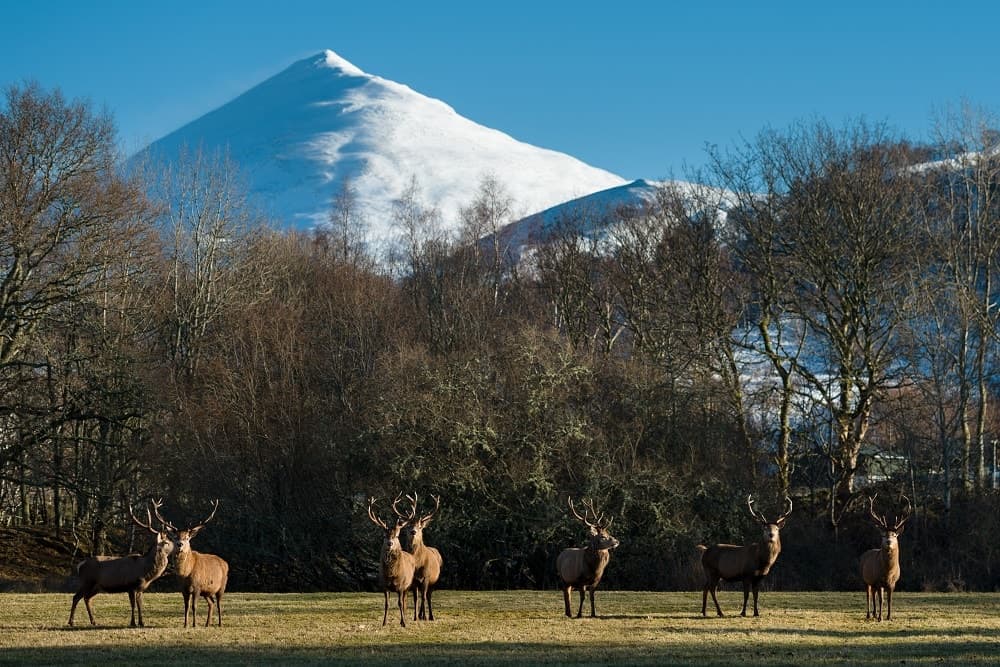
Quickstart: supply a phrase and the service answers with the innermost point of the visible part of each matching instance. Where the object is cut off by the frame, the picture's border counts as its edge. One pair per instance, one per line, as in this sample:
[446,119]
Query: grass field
[508,628]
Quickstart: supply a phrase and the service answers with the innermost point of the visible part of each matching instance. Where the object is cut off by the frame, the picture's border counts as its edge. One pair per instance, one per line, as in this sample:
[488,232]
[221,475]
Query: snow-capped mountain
[298,134]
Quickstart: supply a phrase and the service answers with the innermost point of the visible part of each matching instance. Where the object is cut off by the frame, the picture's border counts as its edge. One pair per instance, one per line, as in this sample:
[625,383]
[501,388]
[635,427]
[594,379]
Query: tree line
[815,318]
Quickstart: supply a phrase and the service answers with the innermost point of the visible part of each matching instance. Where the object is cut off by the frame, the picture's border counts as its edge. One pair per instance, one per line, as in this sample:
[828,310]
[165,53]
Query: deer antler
[781,519]
[754,513]
[374,517]
[157,504]
[906,516]
[871,510]
[149,520]
[598,516]
[215,507]
[403,517]
[437,506]
[569,500]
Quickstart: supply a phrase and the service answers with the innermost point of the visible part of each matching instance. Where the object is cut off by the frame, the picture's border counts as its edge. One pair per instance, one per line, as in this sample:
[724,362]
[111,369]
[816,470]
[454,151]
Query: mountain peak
[300,134]
[334,61]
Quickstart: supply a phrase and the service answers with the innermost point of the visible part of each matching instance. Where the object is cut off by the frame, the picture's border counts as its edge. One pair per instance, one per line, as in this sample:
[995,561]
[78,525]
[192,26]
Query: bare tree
[483,219]
[348,225]
[838,247]
[963,219]
[68,216]
[207,225]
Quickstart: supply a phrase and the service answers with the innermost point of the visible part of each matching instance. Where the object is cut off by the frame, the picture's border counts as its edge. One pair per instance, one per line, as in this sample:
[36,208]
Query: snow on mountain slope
[589,215]
[298,134]
[596,215]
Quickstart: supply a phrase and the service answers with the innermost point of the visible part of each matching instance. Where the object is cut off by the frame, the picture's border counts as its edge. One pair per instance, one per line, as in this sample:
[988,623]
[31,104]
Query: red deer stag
[124,574]
[748,563]
[583,567]
[427,559]
[880,567]
[198,574]
[396,567]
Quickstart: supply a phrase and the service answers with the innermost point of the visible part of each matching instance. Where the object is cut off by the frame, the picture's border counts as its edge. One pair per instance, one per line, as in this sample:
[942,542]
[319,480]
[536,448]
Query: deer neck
[156,563]
[391,557]
[597,559]
[767,553]
[890,556]
[185,563]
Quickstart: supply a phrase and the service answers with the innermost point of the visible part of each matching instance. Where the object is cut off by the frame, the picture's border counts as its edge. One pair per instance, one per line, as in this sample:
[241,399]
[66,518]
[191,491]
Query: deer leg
[385,612]
[593,612]
[878,594]
[208,616]
[715,599]
[746,595]
[415,602]
[72,609]
[402,607]
[138,605]
[888,603]
[131,601]
[756,589]
[218,606]
[194,607]
[583,596]
[430,609]
[868,602]
[566,591]
[187,605]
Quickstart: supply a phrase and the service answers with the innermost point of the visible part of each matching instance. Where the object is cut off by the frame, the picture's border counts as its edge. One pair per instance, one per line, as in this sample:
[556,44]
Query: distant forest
[818,319]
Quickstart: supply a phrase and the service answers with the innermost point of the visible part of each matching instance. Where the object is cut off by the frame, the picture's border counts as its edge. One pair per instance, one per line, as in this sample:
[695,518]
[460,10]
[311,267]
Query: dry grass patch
[512,628]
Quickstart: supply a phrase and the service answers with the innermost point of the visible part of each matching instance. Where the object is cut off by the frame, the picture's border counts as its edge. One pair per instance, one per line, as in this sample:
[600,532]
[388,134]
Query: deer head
[413,527]
[600,537]
[182,538]
[771,529]
[164,543]
[890,534]
[392,542]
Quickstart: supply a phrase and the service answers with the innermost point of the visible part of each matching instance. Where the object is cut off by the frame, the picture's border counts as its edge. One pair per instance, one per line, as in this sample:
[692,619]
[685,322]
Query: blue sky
[637,88]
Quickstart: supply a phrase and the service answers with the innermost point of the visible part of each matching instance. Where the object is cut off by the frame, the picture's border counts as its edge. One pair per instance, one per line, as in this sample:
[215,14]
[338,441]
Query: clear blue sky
[637,88]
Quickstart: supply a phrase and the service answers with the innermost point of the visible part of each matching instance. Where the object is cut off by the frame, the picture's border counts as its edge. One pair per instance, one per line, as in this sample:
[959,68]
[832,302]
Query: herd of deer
[198,574]
[407,564]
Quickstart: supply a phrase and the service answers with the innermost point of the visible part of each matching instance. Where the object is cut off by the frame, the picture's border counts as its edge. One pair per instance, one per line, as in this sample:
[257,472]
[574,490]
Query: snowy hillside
[588,213]
[595,215]
[297,134]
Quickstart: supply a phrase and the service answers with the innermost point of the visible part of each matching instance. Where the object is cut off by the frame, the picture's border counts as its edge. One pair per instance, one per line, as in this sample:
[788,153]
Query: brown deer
[130,574]
[427,559]
[396,567]
[583,567]
[747,563]
[880,567]
[198,574]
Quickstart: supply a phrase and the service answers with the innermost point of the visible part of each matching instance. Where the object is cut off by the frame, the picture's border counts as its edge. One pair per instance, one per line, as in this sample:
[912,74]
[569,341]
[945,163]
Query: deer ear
[194,531]
[780,523]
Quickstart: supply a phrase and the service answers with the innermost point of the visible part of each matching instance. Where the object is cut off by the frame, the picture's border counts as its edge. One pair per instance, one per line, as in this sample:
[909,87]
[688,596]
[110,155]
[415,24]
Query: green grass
[508,628]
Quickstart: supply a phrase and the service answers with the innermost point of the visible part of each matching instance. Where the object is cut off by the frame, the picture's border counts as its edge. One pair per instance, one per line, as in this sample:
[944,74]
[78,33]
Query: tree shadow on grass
[691,651]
